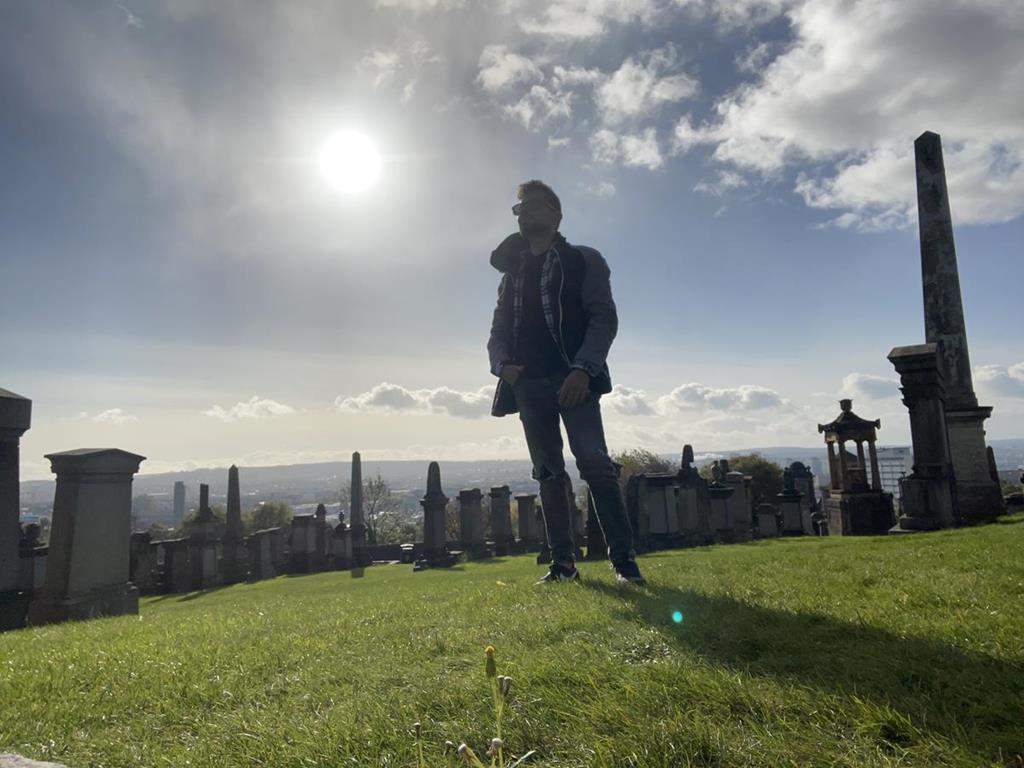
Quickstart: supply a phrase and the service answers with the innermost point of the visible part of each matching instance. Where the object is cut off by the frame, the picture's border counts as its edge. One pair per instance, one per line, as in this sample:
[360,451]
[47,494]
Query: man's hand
[575,388]
[510,372]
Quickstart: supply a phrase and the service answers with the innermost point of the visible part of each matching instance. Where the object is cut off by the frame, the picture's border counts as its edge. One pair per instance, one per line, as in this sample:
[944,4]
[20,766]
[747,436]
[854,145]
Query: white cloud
[253,408]
[130,19]
[725,181]
[555,142]
[421,6]
[573,76]
[540,106]
[1001,381]
[863,78]
[583,19]
[111,416]
[869,386]
[637,149]
[631,402]
[405,61]
[394,398]
[695,396]
[501,68]
[599,189]
[641,85]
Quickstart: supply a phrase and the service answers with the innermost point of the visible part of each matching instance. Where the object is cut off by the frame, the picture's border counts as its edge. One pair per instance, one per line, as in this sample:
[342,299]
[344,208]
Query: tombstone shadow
[972,699]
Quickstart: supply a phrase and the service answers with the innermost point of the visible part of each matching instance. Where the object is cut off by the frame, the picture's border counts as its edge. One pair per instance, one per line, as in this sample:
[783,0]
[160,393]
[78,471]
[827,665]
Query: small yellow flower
[490,668]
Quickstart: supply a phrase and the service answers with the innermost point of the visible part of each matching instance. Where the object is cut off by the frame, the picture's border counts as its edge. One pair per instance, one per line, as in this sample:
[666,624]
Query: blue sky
[179,279]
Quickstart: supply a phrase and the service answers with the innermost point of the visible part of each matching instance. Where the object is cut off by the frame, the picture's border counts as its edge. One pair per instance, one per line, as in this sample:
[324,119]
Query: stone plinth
[859,514]
[15,419]
[693,505]
[302,544]
[87,573]
[656,511]
[471,523]
[142,563]
[929,494]
[434,502]
[501,520]
[177,572]
[526,514]
[341,548]
[803,482]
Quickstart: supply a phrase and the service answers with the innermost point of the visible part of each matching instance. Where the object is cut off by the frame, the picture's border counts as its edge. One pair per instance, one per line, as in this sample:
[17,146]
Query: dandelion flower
[491,669]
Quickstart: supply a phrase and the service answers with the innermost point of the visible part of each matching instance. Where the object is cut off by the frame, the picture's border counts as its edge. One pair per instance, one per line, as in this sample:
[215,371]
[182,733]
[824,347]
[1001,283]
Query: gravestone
[720,517]
[87,569]
[435,547]
[693,503]
[767,521]
[790,506]
[471,523]
[302,544]
[742,505]
[526,514]
[177,572]
[803,482]
[142,564]
[501,520]
[341,547]
[15,419]
[203,543]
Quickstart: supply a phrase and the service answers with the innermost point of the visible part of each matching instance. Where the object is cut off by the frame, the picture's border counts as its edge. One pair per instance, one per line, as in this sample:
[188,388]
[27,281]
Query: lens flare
[677,617]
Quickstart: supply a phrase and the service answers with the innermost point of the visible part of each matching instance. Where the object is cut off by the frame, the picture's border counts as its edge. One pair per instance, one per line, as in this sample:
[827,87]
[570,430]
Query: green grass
[893,651]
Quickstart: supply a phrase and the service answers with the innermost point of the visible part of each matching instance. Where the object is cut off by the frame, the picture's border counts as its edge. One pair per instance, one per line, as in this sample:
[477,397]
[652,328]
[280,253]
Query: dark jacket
[579,311]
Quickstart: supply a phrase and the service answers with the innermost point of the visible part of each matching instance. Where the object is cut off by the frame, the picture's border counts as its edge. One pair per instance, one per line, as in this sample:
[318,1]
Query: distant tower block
[977,492]
[87,569]
[179,503]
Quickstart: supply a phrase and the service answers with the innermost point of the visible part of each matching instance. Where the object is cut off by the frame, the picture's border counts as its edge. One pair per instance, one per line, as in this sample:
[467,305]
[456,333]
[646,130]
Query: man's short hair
[536,185]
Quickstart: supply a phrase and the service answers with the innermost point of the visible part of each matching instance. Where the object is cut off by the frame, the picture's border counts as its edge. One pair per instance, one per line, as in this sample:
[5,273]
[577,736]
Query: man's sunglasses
[518,208]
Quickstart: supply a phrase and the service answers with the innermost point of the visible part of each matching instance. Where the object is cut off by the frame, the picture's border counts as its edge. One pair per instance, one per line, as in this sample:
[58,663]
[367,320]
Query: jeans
[539,411]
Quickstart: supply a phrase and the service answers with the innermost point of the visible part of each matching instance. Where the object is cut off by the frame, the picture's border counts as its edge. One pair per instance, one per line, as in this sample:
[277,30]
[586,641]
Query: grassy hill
[898,651]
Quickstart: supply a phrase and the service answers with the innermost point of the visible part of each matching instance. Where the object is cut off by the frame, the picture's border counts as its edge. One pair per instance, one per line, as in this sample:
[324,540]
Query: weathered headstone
[790,505]
[767,521]
[471,523]
[529,530]
[742,505]
[203,542]
[177,571]
[720,516]
[803,483]
[501,520]
[302,544]
[142,565]
[15,419]
[693,502]
[87,569]
[978,496]
[434,502]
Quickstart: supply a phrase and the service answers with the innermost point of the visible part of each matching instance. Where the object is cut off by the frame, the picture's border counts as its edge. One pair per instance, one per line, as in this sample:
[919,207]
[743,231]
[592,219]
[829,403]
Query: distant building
[179,503]
[894,463]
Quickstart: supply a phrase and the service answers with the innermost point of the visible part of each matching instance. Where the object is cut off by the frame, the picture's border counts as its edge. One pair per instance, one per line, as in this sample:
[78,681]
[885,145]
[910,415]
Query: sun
[350,162]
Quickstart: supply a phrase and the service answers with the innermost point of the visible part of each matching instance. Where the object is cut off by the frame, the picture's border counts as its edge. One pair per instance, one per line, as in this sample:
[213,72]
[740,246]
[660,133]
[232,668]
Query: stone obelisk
[977,491]
[235,554]
[357,522]
[435,551]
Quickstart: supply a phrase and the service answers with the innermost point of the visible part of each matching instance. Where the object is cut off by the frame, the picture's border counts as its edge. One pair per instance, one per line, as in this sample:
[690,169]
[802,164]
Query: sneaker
[559,572]
[628,573]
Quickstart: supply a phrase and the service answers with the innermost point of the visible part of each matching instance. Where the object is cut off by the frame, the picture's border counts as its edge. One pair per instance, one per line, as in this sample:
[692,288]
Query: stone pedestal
[342,547]
[929,494]
[15,419]
[434,502]
[177,572]
[471,523]
[693,505]
[529,530]
[979,498]
[656,511]
[87,573]
[859,514]
[501,520]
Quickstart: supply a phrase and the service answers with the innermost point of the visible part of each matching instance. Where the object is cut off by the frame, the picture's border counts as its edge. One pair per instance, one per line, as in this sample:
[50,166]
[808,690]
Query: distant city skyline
[187,276]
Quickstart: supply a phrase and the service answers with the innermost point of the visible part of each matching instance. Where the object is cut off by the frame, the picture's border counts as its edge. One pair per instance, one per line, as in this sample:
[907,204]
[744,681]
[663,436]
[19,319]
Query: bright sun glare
[350,162]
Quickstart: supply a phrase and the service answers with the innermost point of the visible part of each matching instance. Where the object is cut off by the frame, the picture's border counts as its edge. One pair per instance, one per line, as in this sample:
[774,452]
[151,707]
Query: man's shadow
[969,698]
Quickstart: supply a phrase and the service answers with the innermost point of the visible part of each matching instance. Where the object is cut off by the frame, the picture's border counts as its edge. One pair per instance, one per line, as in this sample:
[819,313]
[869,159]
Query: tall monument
[357,521]
[976,489]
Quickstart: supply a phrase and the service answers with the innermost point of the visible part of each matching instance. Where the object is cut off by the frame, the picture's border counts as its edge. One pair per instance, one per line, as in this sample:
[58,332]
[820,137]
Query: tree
[639,461]
[766,476]
[380,506]
[267,514]
[189,523]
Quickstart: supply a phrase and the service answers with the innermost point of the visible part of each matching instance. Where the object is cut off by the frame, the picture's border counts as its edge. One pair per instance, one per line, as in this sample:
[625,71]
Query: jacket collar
[510,259]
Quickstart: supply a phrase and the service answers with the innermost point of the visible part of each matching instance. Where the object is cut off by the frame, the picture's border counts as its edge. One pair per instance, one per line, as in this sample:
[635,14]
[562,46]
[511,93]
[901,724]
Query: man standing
[552,328]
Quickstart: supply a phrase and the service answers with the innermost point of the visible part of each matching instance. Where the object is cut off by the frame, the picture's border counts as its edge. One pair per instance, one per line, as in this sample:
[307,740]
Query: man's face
[538,216]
